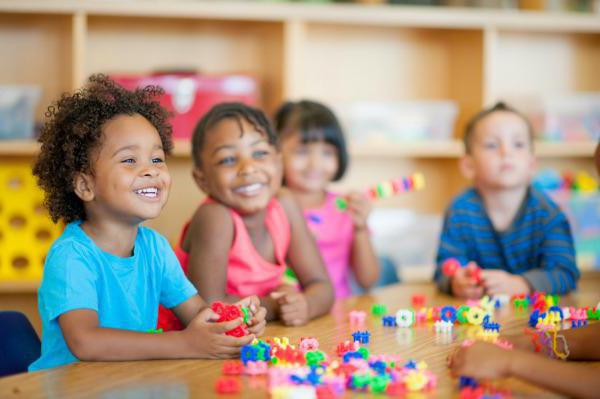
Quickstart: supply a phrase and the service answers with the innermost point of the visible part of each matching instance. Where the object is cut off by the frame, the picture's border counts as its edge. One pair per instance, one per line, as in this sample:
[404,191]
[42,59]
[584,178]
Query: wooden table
[195,378]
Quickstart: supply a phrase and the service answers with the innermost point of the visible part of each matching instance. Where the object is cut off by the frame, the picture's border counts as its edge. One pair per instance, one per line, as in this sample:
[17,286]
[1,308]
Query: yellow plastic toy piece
[475,316]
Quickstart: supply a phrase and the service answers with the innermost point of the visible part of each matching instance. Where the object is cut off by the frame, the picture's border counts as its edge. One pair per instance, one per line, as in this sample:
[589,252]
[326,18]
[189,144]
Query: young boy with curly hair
[102,167]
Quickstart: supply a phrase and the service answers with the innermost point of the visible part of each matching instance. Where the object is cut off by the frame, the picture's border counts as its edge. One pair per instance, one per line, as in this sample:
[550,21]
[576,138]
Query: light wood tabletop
[195,378]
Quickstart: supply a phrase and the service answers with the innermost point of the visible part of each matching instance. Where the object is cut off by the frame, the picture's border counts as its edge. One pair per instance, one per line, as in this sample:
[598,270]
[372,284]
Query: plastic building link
[417,301]
[405,318]
[233,367]
[388,321]
[361,336]
[357,317]
[389,188]
[227,385]
[378,309]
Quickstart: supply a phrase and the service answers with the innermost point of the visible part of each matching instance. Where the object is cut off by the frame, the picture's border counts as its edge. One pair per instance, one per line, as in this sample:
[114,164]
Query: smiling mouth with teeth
[149,192]
[249,188]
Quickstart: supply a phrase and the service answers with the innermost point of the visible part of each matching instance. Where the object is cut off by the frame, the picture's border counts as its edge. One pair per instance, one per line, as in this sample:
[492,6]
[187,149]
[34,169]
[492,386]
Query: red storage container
[189,96]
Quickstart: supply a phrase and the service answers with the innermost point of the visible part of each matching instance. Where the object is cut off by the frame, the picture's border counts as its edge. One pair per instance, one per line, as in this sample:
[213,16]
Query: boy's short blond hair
[498,107]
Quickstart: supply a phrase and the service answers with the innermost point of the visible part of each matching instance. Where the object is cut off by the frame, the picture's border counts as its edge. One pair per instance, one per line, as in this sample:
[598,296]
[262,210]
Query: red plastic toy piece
[325,392]
[450,266]
[233,367]
[227,385]
[417,301]
[228,312]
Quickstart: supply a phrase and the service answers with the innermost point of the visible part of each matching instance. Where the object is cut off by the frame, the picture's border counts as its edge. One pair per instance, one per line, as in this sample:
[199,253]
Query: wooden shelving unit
[330,52]
[409,149]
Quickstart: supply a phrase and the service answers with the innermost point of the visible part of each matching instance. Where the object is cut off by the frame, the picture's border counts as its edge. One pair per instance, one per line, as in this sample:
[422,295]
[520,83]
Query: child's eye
[260,154]
[157,160]
[128,160]
[520,144]
[490,145]
[329,153]
[302,150]
[227,161]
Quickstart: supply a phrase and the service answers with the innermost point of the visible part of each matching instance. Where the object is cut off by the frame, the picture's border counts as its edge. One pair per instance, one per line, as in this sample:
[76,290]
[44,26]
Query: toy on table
[357,317]
[227,385]
[451,266]
[378,309]
[361,336]
[228,312]
[389,188]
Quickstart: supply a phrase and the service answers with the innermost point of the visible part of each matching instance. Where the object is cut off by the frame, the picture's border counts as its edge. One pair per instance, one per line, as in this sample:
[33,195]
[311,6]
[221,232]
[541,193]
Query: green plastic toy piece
[155,331]
[379,309]
[341,203]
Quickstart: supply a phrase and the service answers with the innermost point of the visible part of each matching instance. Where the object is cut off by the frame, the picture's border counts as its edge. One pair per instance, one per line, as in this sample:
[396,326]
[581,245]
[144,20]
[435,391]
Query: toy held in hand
[229,312]
[451,266]
[389,188]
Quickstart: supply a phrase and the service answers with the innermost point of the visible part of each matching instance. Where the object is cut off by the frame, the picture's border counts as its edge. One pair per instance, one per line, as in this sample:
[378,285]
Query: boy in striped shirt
[518,237]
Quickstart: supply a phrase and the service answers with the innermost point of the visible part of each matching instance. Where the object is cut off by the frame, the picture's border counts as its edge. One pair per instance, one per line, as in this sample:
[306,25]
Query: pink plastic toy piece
[357,317]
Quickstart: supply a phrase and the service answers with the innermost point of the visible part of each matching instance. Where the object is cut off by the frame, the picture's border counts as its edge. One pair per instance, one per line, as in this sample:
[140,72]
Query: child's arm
[582,342]
[557,272]
[485,360]
[210,236]
[452,245]
[202,338]
[304,258]
[363,259]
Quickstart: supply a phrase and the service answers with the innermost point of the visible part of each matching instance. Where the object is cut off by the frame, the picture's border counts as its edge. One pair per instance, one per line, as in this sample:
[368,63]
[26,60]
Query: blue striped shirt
[538,244]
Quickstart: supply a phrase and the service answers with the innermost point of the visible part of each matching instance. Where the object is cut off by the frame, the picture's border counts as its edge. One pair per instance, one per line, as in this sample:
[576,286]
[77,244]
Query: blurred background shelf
[19,287]
[411,149]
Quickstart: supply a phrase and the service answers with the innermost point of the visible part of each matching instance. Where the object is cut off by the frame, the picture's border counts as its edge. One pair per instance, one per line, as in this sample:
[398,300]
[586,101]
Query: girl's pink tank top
[248,273]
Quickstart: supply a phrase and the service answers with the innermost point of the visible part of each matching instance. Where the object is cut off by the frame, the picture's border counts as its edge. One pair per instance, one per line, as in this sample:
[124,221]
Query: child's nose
[247,166]
[151,170]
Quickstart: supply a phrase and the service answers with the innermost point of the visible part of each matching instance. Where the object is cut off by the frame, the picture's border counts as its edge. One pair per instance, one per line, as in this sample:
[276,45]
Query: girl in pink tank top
[241,239]
[314,154]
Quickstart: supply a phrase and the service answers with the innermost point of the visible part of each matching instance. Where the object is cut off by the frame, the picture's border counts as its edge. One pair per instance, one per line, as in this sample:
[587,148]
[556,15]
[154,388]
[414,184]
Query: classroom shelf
[414,149]
[381,15]
[25,148]
[19,287]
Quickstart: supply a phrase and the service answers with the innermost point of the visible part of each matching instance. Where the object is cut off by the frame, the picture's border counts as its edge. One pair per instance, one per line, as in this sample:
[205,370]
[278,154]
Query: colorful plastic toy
[233,367]
[451,265]
[227,385]
[228,312]
[357,317]
[378,309]
[389,321]
[417,301]
[405,318]
[361,336]
[389,188]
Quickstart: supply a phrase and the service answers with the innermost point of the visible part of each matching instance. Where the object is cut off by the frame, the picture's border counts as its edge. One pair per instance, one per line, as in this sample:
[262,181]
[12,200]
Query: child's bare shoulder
[211,220]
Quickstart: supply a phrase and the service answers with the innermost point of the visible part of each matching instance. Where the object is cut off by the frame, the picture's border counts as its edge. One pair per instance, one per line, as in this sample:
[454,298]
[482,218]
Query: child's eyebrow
[231,146]
[134,147]
[127,147]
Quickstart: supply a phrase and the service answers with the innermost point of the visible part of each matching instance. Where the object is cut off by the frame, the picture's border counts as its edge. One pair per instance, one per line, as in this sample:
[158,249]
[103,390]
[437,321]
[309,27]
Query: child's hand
[480,360]
[293,307]
[464,285]
[257,323]
[502,282]
[207,339]
[359,208]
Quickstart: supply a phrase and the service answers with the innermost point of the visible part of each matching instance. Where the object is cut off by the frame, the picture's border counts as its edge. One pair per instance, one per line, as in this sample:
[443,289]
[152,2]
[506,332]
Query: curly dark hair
[73,129]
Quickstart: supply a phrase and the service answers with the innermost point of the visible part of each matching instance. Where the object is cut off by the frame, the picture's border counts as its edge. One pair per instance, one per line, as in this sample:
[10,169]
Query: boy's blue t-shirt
[125,292]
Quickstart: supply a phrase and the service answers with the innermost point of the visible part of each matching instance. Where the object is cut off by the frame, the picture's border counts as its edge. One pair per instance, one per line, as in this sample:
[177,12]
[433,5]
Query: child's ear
[83,185]
[200,179]
[467,166]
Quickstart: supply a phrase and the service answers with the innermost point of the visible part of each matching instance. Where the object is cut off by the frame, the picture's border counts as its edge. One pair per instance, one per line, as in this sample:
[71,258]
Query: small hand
[207,339]
[480,360]
[257,322]
[359,208]
[501,282]
[464,285]
[293,307]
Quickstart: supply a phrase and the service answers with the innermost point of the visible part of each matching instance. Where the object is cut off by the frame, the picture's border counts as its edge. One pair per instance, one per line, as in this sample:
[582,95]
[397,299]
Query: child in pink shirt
[242,238]
[314,155]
